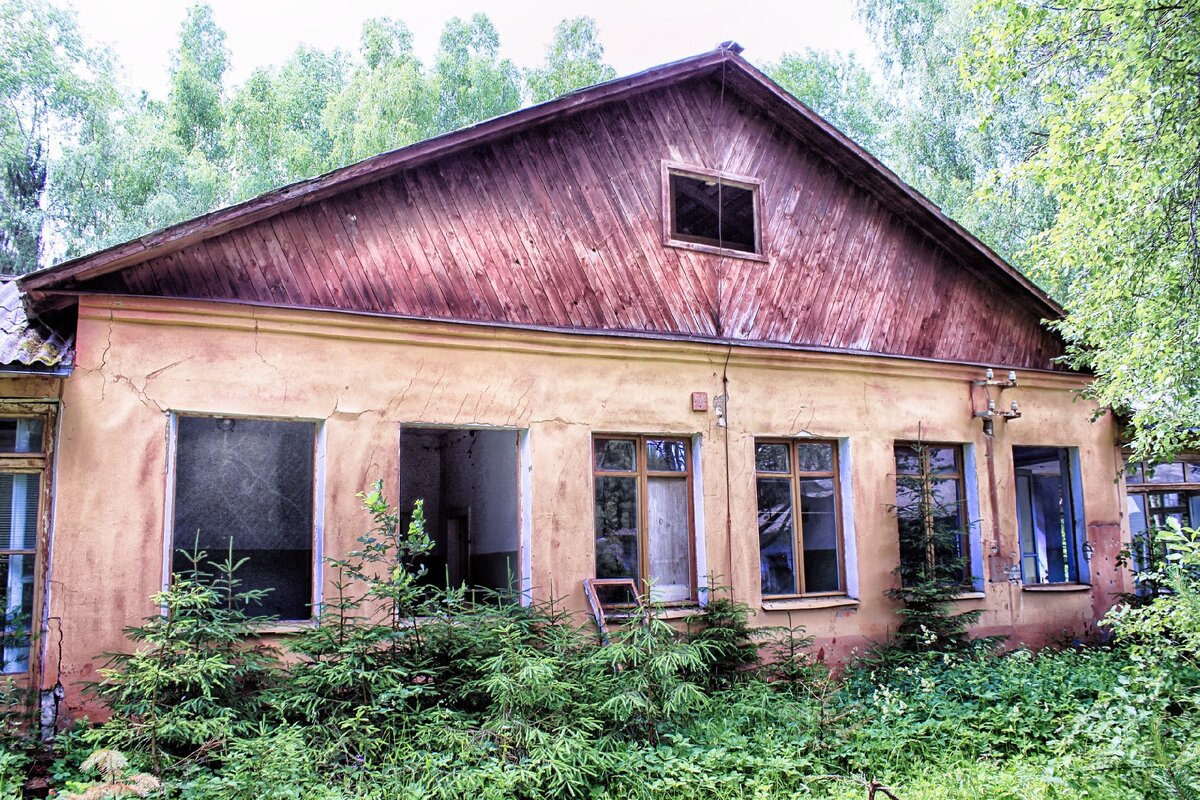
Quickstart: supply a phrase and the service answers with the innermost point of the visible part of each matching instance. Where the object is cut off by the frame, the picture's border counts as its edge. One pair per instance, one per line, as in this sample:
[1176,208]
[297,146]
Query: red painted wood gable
[560,226]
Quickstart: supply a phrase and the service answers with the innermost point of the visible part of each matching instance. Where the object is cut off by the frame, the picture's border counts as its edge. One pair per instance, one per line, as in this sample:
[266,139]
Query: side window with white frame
[800,527]
[247,487]
[1049,515]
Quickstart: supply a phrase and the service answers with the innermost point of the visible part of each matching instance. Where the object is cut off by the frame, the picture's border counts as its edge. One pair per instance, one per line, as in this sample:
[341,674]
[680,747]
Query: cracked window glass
[246,486]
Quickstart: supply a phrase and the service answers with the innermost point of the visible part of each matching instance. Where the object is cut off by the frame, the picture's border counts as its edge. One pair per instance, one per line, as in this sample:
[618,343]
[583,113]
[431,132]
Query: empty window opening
[1047,515]
[799,519]
[711,210]
[247,485]
[469,482]
[644,526]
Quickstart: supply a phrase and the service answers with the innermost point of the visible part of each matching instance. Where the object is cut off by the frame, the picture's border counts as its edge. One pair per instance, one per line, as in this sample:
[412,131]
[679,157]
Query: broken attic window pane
[710,211]
[247,484]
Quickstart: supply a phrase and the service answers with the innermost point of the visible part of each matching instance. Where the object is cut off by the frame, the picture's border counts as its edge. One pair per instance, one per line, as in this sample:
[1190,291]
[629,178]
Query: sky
[636,33]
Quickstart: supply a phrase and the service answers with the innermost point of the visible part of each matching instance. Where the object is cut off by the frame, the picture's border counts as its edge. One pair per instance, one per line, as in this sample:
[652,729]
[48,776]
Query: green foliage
[470,80]
[1120,137]
[194,106]
[841,90]
[444,698]
[55,91]
[723,628]
[197,675]
[936,141]
[574,59]
[653,667]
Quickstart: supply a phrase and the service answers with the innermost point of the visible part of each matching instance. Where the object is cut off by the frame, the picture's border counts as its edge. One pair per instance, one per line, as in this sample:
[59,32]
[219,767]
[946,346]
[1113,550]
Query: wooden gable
[560,225]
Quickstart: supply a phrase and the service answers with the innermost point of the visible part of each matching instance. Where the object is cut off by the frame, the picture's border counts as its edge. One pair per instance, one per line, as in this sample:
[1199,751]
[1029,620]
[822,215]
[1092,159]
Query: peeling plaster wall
[139,359]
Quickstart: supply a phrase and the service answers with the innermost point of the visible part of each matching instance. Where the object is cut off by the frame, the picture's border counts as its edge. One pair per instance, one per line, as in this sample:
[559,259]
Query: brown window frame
[704,244]
[643,474]
[795,474]
[33,463]
[960,478]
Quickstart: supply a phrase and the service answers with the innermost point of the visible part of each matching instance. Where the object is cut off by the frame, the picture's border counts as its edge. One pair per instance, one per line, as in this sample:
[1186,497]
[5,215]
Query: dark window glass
[666,456]
[818,514]
[616,455]
[771,458]
[799,530]
[814,457]
[21,435]
[247,485]
[776,539]
[930,514]
[1164,473]
[710,211]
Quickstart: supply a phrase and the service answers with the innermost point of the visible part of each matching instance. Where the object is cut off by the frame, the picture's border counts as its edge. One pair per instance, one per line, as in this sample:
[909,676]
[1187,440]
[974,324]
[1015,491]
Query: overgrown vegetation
[408,691]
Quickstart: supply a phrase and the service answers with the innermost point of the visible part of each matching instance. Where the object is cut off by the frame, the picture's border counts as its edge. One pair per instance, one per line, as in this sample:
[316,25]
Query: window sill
[971,596]
[716,251]
[284,627]
[1057,587]
[679,612]
[807,603]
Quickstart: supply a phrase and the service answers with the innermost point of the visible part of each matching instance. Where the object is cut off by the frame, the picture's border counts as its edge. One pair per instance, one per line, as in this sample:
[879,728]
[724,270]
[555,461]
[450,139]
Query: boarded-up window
[644,514]
[713,211]
[799,518]
[247,485]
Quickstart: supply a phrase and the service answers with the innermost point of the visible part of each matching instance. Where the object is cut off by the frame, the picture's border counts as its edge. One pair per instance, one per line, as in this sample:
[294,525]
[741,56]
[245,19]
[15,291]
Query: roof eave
[368,170]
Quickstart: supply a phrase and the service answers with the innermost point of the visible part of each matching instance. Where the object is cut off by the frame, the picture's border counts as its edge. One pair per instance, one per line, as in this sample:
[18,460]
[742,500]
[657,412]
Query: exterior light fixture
[1088,551]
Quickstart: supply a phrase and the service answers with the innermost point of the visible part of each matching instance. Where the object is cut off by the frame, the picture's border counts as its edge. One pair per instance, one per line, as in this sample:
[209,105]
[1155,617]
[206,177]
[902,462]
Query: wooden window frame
[642,474]
[960,478]
[316,596]
[40,464]
[703,244]
[795,474]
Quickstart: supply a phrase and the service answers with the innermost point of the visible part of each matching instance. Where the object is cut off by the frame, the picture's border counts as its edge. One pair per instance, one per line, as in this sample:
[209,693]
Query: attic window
[711,211]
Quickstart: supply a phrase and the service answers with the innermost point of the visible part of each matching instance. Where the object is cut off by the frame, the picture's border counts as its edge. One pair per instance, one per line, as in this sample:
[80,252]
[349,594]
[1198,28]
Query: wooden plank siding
[560,226]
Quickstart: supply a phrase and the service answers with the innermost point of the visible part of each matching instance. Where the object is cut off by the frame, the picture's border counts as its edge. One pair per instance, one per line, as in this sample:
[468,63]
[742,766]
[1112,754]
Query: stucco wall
[141,359]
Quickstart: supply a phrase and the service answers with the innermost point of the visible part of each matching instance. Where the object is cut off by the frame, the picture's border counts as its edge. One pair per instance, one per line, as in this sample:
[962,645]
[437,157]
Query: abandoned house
[673,328]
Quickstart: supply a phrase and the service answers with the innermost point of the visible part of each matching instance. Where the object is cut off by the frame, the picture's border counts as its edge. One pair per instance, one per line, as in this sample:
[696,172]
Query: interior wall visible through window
[246,487]
[469,481]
